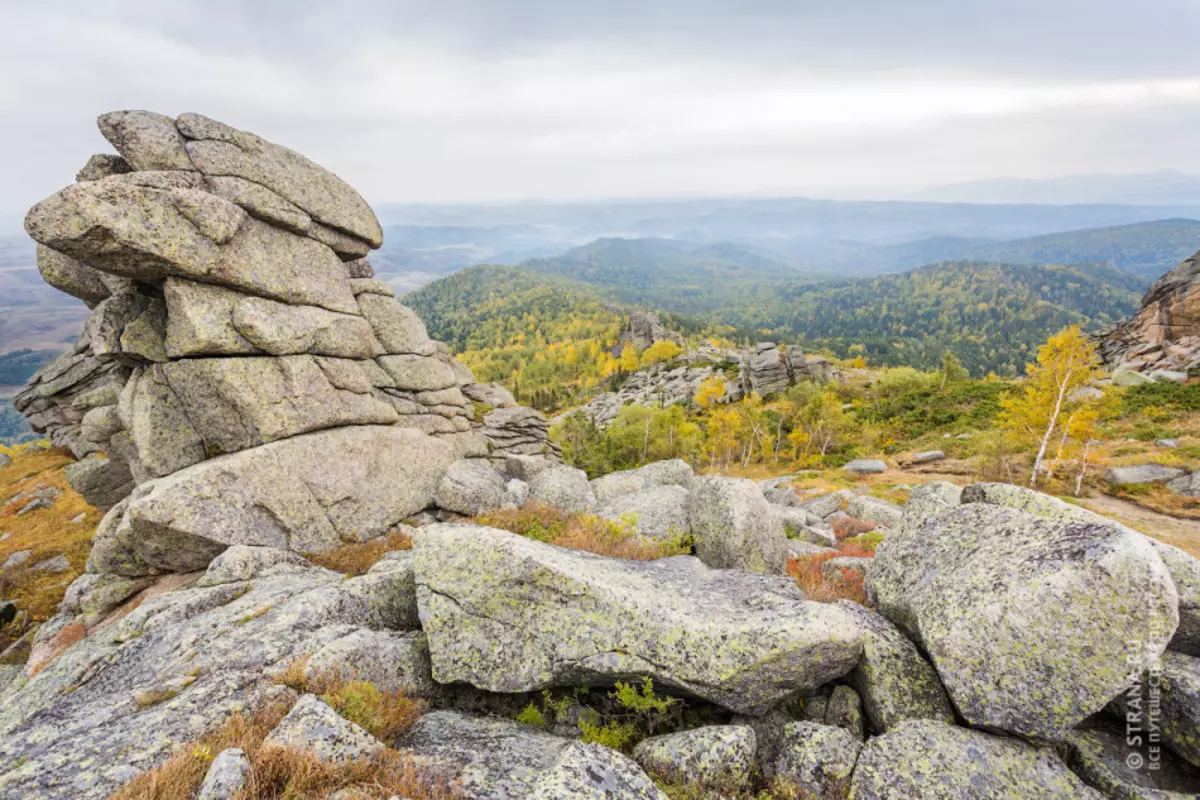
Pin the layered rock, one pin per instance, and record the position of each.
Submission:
(1164, 336)
(233, 309)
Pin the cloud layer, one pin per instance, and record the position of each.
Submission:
(477, 100)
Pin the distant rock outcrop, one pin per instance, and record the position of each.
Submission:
(1165, 334)
(766, 368)
(236, 323)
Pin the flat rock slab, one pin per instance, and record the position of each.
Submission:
(306, 494)
(508, 614)
(74, 731)
(1143, 473)
(497, 759)
(927, 760)
(1033, 624)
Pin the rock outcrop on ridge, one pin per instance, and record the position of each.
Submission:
(233, 309)
(245, 394)
(1164, 336)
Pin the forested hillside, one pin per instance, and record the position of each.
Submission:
(992, 316)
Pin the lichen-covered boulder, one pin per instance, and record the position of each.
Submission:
(313, 727)
(1032, 624)
(816, 760)
(827, 504)
(472, 487)
(874, 509)
(926, 760)
(564, 488)
(509, 614)
(925, 501)
(659, 512)
(1142, 473)
(843, 709)
(385, 659)
(1185, 574)
(715, 757)
(734, 527)
(1172, 685)
(1127, 766)
(66, 734)
(228, 774)
(306, 494)
(1024, 499)
(893, 679)
(496, 759)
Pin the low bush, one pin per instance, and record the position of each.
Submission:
(356, 559)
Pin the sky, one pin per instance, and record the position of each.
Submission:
(491, 100)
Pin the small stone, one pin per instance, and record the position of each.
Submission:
(57, 564)
(719, 757)
(314, 727)
(844, 710)
(865, 466)
(17, 559)
(1170, 444)
(228, 774)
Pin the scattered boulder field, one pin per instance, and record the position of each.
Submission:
(251, 406)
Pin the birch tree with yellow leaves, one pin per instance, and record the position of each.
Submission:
(1051, 402)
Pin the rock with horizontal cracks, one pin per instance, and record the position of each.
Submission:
(509, 614)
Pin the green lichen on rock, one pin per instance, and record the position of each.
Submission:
(1032, 624)
(508, 614)
(927, 760)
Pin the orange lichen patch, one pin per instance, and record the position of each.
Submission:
(46, 532)
(43, 654)
(581, 532)
(282, 772)
(356, 559)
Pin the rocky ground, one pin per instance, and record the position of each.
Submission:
(292, 594)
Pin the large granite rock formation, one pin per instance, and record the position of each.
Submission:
(233, 308)
(1165, 333)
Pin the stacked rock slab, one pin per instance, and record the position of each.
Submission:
(233, 308)
(1165, 333)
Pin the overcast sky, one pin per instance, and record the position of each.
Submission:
(462, 100)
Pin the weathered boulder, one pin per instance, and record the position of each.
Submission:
(495, 759)
(208, 651)
(306, 494)
(925, 759)
(893, 679)
(386, 660)
(472, 487)
(798, 525)
(564, 488)
(659, 512)
(714, 757)
(1031, 623)
(150, 234)
(102, 165)
(145, 140)
(1142, 473)
(818, 760)
(242, 563)
(218, 149)
(509, 614)
(397, 328)
(826, 504)
(874, 509)
(843, 709)
(1185, 574)
(925, 501)
(1172, 687)
(313, 727)
(865, 466)
(928, 456)
(228, 775)
(68, 275)
(733, 526)
(1124, 766)
(1186, 485)
(102, 482)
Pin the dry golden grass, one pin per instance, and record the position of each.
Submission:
(384, 714)
(580, 532)
(48, 532)
(282, 773)
(356, 559)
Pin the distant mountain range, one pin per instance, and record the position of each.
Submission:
(1153, 189)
